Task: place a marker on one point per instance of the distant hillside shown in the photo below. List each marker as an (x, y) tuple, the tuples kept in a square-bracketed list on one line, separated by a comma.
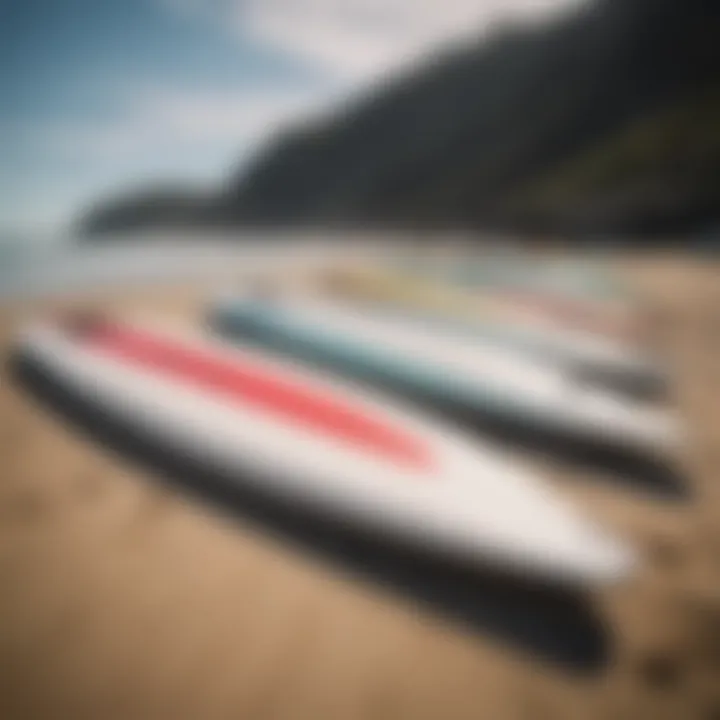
[(150, 207), (604, 120), (659, 173)]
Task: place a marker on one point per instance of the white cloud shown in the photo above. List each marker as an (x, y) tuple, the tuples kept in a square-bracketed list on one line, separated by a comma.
[(359, 40), (186, 119), (162, 133)]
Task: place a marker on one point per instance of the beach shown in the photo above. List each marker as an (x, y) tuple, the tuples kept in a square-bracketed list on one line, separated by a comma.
[(123, 598)]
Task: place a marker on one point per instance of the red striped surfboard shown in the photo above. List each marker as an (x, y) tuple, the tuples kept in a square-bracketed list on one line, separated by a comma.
[(362, 458)]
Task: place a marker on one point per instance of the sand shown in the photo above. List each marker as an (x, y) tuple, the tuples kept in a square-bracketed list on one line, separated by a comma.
[(120, 598)]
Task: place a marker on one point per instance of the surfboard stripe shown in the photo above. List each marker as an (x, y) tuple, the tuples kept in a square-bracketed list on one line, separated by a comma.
[(572, 311), (512, 304), (245, 382)]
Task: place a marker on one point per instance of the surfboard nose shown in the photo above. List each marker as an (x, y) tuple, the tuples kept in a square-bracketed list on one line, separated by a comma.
[(611, 560), (582, 553)]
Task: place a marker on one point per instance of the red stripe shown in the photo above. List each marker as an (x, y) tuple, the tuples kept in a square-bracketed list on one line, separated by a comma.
[(248, 383)]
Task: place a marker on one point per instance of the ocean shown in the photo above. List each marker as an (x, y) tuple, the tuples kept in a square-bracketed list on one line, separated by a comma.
[(55, 265)]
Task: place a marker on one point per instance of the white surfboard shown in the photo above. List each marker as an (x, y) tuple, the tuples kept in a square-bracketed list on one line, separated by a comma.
[(451, 369), (524, 309), (301, 437), (617, 360), (605, 361)]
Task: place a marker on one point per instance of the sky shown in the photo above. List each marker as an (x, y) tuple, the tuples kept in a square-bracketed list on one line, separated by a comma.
[(101, 96)]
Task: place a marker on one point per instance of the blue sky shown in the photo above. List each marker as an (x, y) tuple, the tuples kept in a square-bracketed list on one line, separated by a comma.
[(101, 95)]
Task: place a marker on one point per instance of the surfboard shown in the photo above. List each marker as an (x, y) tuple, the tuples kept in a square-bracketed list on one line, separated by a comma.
[(581, 280), (598, 360), (521, 308), (477, 379), (277, 427)]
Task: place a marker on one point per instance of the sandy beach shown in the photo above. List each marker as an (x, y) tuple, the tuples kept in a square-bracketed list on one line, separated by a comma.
[(122, 599)]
